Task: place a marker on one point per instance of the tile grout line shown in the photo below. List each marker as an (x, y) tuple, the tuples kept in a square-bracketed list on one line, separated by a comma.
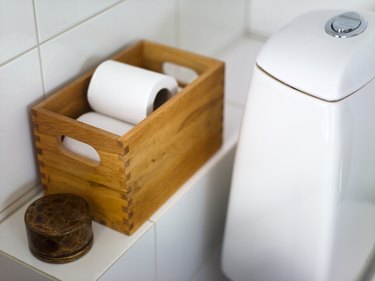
[(81, 22), (39, 43), (56, 35), (225, 48), (235, 104), (156, 253), (178, 22), (39, 52), (17, 56)]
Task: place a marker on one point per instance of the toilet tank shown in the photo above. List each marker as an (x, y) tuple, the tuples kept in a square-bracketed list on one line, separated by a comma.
[(302, 202)]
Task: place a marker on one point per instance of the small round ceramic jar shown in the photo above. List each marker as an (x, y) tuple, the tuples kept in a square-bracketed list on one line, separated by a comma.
[(59, 228)]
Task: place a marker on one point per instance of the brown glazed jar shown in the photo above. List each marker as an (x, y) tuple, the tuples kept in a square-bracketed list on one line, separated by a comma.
[(59, 228)]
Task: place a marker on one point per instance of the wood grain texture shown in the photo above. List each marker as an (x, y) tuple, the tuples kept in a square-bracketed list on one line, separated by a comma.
[(140, 170)]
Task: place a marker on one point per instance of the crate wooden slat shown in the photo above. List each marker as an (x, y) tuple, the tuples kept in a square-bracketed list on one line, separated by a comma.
[(140, 170)]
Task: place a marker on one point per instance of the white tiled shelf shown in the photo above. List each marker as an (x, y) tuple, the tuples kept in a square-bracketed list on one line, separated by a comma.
[(107, 248), (177, 239)]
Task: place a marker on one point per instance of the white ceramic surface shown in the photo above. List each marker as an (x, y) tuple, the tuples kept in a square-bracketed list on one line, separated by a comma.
[(17, 28), (55, 16), (284, 186), (305, 57), (265, 17), (302, 195), (354, 230), (20, 88), (86, 45), (207, 26)]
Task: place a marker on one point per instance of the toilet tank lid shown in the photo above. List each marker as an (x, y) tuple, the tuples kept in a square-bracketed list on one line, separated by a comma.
[(304, 56)]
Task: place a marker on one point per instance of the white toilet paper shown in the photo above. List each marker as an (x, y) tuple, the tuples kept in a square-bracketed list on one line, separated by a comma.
[(127, 92), (100, 121)]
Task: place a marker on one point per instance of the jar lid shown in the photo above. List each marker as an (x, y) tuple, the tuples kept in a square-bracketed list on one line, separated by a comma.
[(59, 227)]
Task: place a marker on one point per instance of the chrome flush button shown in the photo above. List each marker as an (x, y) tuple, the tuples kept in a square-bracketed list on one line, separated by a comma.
[(346, 25)]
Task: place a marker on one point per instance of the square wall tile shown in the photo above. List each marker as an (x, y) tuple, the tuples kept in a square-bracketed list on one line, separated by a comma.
[(190, 229), (138, 263), (207, 26), (17, 28), (268, 16), (84, 46), (55, 16), (20, 88), (240, 60)]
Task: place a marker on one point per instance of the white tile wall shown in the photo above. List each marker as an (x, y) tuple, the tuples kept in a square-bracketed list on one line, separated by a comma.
[(267, 16), (17, 28), (239, 63), (75, 36), (86, 45), (206, 26), (88, 32), (55, 16), (20, 88)]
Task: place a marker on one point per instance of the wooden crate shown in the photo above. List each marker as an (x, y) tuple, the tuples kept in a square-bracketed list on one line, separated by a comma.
[(140, 170)]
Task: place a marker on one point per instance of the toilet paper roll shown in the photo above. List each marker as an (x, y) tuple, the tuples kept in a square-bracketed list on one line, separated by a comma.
[(127, 92), (100, 121)]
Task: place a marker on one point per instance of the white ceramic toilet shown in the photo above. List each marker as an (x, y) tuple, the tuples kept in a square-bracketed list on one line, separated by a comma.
[(302, 202)]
